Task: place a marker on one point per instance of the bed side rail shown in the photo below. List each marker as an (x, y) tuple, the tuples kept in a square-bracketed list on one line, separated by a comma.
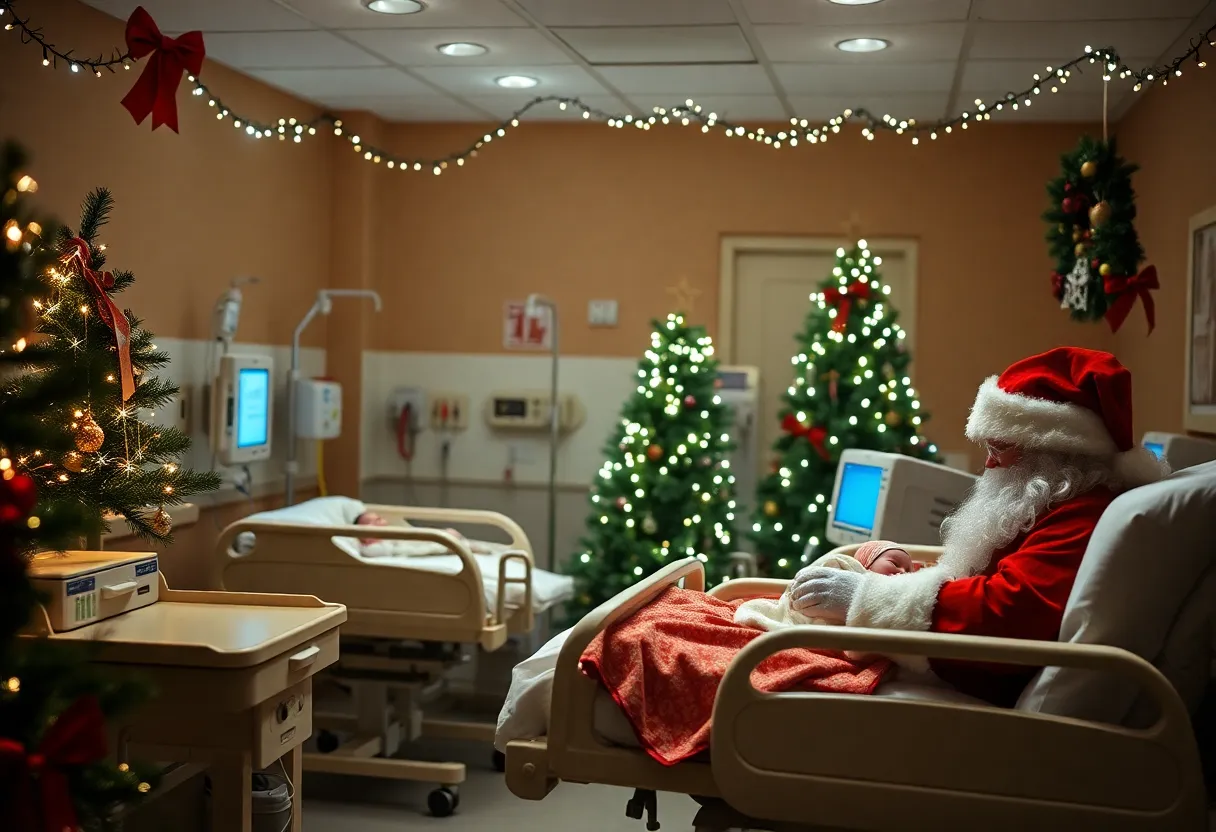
[(473, 517)]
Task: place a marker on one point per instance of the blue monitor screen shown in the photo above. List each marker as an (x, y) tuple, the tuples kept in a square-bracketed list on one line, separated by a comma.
[(252, 407), (858, 499), (1157, 448)]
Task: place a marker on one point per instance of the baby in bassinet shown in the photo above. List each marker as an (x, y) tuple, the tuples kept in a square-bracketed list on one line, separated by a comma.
[(879, 556)]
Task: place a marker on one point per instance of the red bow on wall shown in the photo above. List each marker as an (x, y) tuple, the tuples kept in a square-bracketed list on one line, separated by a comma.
[(842, 300), (78, 250), (1124, 291), (813, 433), (76, 738), (156, 90)]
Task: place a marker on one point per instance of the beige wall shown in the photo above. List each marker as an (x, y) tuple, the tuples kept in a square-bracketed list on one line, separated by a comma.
[(1171, 134)]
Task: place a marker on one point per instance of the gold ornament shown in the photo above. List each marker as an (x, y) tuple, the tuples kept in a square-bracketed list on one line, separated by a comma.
[(1099, 215), (1076, 235), (1088, 169), (771, 509), (1079, 249), (892, 418), (73, 462), (161, 523), (88, 434), (1104, 270)]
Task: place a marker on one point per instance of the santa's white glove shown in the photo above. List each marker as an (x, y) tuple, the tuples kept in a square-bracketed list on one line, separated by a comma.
[(818, 592)]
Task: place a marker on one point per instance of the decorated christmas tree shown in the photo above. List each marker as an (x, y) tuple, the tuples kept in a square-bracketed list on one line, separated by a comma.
[(54, 704), (850, 390), (665, 490)]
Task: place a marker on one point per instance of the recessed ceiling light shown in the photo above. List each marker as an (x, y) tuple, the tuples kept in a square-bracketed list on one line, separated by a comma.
[(516, 82), (863, 45), (854, 2), (396, 6), (462, 50)]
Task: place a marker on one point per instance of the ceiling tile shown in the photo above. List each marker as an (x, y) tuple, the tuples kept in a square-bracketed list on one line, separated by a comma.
[(691, 80), (658, 45), (1062, 41), (842, 79), (418, 47), (353, 14), (629, 12), (209, 16), (1050, 10), (829, 14), (474, 80), (407, 107), (286, 50), (506, 105), (315, 84), (817, 44), (920, 106), (729, 107), (1053, 108), (1019, 75)]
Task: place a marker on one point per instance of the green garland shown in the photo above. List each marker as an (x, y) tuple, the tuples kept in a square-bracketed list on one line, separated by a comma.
[(1091, 235)]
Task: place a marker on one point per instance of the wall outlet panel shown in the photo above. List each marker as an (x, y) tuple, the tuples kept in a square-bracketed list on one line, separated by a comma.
[(449, 411), (416, 398), (602, 312)]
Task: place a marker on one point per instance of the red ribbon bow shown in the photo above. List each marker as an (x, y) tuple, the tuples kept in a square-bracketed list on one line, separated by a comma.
[(113, 317), (77, 738), (842, 300), (813, 433), (1123, 292), (156, 90)]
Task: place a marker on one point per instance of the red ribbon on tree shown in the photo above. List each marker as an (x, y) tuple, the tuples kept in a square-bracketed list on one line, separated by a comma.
[(78, 250), (813, 433), (842, 299), (156, 90), (77, 738), (1123, 292)]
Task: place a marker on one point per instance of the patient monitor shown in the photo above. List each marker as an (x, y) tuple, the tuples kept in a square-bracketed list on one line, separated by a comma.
[(887, 496), (243, 409), (1178, 450)]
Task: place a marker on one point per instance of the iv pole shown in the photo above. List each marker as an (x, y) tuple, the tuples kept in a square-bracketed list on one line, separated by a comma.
[(323, 305), (535, 302)]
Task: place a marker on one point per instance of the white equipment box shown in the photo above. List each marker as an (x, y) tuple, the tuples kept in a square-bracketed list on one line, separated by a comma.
[(1178, 450), (243, 409), (739, 387), (530, 411), (318, 409), (87, 587)]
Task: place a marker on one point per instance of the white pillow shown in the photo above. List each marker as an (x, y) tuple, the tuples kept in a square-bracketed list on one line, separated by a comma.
[(1149, 552)]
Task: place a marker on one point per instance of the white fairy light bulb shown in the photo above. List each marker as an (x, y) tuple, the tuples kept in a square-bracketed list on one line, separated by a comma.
[(585, 558), (812, 508), (882, 428), (852, 420)]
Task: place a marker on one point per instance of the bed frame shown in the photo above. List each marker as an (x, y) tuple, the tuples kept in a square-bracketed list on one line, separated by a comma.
[(896, 764), (402, 634)]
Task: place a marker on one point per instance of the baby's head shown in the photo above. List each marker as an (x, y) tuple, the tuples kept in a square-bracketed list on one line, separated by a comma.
[(369, 518), (884, 558)]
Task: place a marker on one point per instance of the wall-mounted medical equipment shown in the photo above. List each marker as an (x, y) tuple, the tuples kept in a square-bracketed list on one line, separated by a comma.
[(243, 409), (739, 388), (530, 410), (883, 496), (227, 315), (86, 587), (318, 408), (1178, 450)]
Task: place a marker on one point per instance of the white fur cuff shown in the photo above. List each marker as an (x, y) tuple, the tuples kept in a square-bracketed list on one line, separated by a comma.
[(898, 602)]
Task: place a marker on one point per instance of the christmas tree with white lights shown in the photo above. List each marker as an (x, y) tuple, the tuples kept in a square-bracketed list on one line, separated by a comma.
[(665, 491), (851, 389)]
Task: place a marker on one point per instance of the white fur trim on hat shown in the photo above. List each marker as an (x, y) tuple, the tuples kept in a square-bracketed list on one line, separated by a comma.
[(1139, 466), (898, 602), (1036, 423)]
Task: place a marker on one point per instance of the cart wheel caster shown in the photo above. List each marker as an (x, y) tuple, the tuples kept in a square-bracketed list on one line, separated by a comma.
[(327, 741), (443, 801), (500, 761)]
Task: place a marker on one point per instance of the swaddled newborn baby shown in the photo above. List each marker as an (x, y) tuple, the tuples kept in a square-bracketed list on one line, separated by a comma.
[(880, 556)]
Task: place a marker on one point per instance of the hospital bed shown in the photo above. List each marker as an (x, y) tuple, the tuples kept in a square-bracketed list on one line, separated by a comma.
[(1101, 738), (414, 595)]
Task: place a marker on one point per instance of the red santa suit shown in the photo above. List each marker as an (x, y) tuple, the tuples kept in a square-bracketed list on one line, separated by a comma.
[(1070, 401)]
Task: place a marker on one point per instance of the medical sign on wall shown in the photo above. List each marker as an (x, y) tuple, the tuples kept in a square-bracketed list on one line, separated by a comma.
[(521, 331)]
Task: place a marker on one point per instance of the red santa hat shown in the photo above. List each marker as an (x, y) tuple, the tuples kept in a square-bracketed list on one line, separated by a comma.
[(1068, 400)]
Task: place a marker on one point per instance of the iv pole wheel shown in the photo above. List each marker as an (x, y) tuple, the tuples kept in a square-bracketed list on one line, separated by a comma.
[(443, 801)]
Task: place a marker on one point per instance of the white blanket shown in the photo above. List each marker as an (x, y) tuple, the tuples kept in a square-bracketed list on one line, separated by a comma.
[(776, 613)]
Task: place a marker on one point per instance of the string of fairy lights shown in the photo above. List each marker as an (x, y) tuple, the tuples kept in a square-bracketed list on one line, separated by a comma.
[(689, 113)]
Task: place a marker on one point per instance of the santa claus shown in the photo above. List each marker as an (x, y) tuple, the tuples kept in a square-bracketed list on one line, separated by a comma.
[(1057, 428)]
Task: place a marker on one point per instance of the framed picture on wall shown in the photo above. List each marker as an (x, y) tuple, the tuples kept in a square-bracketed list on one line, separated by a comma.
[(1200, 405)]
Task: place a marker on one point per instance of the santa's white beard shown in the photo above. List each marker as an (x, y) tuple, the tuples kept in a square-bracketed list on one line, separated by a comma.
[(1007, 502)]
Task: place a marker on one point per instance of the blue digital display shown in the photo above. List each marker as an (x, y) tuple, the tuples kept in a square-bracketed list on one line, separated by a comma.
[(1157, 448), (857, 502), (252, 407)]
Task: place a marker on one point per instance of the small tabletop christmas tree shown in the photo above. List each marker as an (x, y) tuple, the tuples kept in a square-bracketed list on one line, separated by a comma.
[(850, 390), (665, 490)]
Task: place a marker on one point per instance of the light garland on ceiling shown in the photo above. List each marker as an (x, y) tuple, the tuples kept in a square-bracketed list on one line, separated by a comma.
[(688, 113)]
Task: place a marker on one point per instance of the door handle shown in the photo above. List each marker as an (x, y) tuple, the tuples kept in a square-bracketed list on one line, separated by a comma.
[(303, 659), (115, 590)]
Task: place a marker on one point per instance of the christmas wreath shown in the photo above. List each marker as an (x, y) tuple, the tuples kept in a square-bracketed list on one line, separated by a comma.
[(1092, 238)]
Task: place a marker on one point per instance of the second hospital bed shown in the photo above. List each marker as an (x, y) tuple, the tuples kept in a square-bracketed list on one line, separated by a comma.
[(1101, 739), (414, 595)]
